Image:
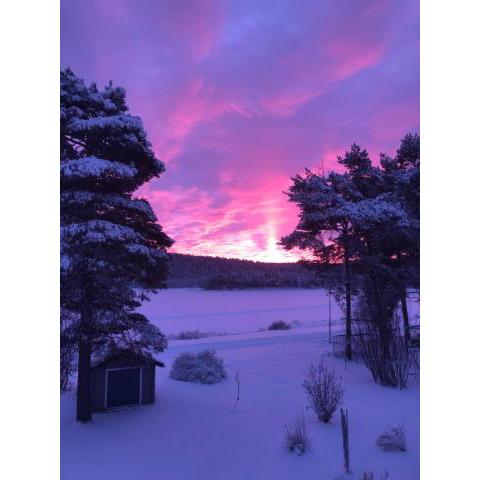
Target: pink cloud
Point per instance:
(247, 226)
(237, 97)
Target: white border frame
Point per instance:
(140, 393)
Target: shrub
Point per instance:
(194, 335)
(365, 476)
(297, 438)
(67, 364)
(384, 355)
(190, 335)
(371, 476)
(67, 347)
(205, 367)
(280, 325)
(415, 337)
(415, 342)
(324, 390)
(393, 440)
(379, 343)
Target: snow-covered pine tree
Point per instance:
(344, 218)
(113, 249)
(325, 228)
(401, 176)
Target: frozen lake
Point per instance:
(239, 311)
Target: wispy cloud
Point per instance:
(237, 97)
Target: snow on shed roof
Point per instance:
(101, 359)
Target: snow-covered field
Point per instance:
(239, 311)
(194, 432)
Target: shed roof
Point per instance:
(100, 360)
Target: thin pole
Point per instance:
(329, 317)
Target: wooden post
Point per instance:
(237, 380)
(346, 450)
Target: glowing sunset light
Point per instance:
(237, 97)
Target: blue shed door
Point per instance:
(123, 387)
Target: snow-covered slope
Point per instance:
(178, 309)
(194, 432)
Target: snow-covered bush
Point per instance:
(279, 325)
(324, 390)
(365, 476)
(371, 476)
(393, 440)
(194, 335)
(190, 335)
(205, 367)
(297, 438)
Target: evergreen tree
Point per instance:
(113, 250)
(325, 228)
(402, 179)
(352, 219)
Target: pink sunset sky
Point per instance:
(238, 96)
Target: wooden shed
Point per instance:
(123, 378)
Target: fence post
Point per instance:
(346, 449)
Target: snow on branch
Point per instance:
(99, 231)
(120, 122)
(152, 254)
(95, 167)
(81, 198)
(374, 211)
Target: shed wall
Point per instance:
(98, 379)
(97, 389)
(148, 392)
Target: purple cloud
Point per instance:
(237, 97)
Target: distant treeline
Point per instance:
(216, 273)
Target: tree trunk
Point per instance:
(348, 309)
(84, 413)
(406, 322)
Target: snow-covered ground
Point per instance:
(194, 432)
(239, 311)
